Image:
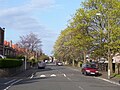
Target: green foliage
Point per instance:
(10, 63)
(15, 57)
(20, 57)
(44, 57)
(87, 31)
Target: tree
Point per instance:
(31, 43)
(108, 24)
(82, 38)
(44, 57)
(88, 32)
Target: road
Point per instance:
(55, 78)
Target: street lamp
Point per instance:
(108, 40)
(25, 62)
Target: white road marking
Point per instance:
(10, 81)
(42, 76)
(53, 75)
(81, 88)
(64, 75)
(12, 84)
(7, 88)
(68, 78)
(32, 76)
(108, 81)
(16, 81)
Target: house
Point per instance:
(9, 49)
(2, 41)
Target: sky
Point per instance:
(46, 18)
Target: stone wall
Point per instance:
(6, 72)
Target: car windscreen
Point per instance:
(91, 66)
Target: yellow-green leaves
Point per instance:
(88, 31)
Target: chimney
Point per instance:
(10, 43)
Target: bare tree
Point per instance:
(30, 42)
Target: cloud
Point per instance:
(20, 18)
(41, 3)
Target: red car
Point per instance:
(89, 69)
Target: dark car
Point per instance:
(89, 69)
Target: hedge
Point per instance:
(10, 63)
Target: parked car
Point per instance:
(41, 65)
(59, 63)
(89, 69)
(2, 57)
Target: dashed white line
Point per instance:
(7, 88)
(10, 81)
(81, 88)
(16, 81)
(32, 76)
(68, 78)
(64, 75)
(12, 84)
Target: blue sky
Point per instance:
(46, 18)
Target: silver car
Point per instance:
(41, 65)
(59, 63)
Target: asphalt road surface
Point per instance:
(55, 78)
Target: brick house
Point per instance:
(6, 47)
(2, 41)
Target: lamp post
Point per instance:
(108, 40)
(109, 53)
(25, 62)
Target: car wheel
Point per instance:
(82, 72)
(85, 73)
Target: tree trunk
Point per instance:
(111, 66)
(84, 53)
(116, 68)
(73, 62)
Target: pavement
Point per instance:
(104, 77)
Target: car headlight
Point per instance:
(87, 70)
(96, 71)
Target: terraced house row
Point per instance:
(7, 48)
